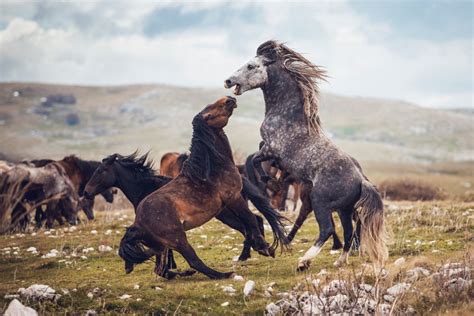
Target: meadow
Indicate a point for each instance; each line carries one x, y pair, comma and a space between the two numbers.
90, 276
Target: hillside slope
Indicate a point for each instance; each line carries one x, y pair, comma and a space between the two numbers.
158, 117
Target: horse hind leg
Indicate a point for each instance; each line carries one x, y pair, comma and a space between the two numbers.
326, 230
336, 241
187, 251
346, 221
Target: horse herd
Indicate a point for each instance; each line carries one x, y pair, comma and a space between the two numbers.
193, 188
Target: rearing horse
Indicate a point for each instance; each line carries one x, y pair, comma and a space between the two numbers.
208, 182
293, 136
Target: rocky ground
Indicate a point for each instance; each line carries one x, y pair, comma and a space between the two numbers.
77, 270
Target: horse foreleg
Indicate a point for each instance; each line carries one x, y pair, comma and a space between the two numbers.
262, 155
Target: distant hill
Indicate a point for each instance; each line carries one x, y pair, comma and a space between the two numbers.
102, 120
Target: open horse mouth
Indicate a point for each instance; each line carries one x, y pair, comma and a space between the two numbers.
237, 89
229, 84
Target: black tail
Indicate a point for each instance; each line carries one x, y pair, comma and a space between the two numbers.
250, 171
263, 206
131, 248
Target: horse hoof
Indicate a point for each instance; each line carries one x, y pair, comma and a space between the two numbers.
128, 267
303, 266
264, 252
186, 273
243, 258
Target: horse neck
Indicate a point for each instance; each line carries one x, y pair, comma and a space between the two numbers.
133, 186
283, 96
224, 146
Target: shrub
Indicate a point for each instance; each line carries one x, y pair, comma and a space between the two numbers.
410, 190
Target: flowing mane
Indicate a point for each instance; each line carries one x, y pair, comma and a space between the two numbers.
205, 157
304, 72
141, 165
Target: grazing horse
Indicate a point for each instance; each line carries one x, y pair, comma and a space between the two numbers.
136, 178
294, 138
208, 182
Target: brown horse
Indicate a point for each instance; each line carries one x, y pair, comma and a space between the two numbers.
171, 164
208, 182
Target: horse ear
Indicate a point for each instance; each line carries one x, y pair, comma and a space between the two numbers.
110, 160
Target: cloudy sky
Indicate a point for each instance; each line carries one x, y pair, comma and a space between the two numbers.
419, 51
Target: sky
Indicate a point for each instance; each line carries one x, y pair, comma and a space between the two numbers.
417, 51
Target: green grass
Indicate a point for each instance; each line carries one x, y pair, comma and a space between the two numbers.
441, 222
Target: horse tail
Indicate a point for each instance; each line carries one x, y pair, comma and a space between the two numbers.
273, 217
250, 170
374, 235
131, 248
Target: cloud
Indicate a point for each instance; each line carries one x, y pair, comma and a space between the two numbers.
200, 44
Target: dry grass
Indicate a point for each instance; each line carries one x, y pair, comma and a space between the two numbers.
406, 189
427, 234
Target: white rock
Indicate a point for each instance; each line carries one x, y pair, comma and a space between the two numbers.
93, 232
458, 284
39, 292
334, 252
388, 298
417, 273
87, 250
228, 289
334, 287
399, 261
273, 309
238, 277
125, 297
323, 272
157, 288
10, 296
225, 304
104, 248
398, 289
90, 295
338, 303
136, 287
108, 232
31, 249
249, 287
15, 308
384, 309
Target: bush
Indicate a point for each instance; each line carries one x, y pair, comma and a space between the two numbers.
410, 190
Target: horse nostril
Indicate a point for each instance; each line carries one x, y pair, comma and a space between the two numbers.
228, 83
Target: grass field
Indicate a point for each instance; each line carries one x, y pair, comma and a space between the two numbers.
427, 234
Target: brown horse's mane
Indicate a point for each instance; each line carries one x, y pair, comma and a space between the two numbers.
141, 165
304, 72
205, 158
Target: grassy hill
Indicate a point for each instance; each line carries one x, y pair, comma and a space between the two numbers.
390, 138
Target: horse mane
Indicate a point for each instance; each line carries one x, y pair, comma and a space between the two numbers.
304, 72
141, 165
204, 159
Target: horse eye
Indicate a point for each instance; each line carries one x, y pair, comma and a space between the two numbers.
250, 67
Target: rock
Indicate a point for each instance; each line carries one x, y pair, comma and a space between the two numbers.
93, 232
338, 303
136, 287
399, 261
416, 273
90, 295
15, 308
334, 287
458, 284
125, 297
225, 304
367, 288
104, 248
272, 309
398, 289
323, 272
238, 278
384, 309
90, 312
249, 287
388, 298
10, 296
38, 292
228, 289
